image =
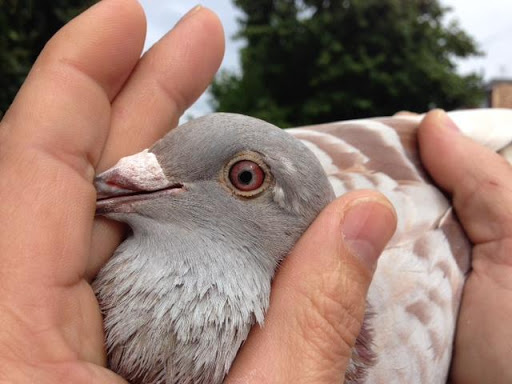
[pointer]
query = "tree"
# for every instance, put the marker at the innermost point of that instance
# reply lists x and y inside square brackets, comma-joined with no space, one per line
[25,27]
[311,61]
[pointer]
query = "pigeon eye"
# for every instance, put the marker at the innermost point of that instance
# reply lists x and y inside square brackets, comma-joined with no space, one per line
[246,175]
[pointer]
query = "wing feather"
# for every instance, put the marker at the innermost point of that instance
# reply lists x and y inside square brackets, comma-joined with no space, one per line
[416,290]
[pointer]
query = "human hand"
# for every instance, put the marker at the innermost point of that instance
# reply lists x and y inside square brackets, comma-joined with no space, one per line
[88,100]
[479,182]
[318,297]
[83,107]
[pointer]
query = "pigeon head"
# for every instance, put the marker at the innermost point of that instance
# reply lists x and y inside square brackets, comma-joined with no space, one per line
[213,208]
[233,177]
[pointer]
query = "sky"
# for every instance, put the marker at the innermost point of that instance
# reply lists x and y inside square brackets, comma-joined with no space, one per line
[488,22]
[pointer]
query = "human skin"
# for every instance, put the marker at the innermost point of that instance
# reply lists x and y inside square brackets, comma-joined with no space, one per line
[89,100]
[480,184]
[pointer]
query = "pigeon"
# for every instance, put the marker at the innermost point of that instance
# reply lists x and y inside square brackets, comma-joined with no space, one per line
[213,207]
[217,204]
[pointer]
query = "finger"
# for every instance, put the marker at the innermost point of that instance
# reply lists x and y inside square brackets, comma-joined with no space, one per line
[480,183]
[52,137]
[405,113]
[167,80]
[62,372]
[478,178]
[319,296]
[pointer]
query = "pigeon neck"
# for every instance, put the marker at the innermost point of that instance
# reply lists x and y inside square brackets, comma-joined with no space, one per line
[203,264]
[200,297]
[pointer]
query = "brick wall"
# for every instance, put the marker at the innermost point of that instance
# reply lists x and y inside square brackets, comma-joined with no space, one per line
[500,94]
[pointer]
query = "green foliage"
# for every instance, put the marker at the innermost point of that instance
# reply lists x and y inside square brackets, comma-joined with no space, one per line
[314,61]
[25,27]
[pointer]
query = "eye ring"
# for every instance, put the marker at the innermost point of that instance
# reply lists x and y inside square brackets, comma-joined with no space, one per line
[246,175]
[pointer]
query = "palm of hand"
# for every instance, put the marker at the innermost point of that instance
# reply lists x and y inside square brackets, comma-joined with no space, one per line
[483,331]
[81,108]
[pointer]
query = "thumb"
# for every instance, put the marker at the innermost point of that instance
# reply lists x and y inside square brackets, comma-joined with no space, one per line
[318,297]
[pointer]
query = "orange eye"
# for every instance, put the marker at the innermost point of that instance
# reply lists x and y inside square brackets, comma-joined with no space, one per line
[246,175]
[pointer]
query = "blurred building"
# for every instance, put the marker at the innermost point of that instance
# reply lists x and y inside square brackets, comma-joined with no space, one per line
[499,93]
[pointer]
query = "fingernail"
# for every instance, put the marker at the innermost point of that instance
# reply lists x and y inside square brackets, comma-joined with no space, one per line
[446,121]
[367,227]
[190,13]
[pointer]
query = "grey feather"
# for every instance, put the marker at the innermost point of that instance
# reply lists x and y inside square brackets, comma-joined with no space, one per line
[183,290]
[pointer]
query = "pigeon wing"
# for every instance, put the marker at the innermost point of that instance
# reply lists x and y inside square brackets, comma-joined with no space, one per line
[415,294]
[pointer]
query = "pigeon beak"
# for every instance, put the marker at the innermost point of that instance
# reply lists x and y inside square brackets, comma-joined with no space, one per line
[133,178]
[117,182]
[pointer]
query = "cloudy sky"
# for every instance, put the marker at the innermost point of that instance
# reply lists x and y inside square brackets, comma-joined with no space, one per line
[487,21]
